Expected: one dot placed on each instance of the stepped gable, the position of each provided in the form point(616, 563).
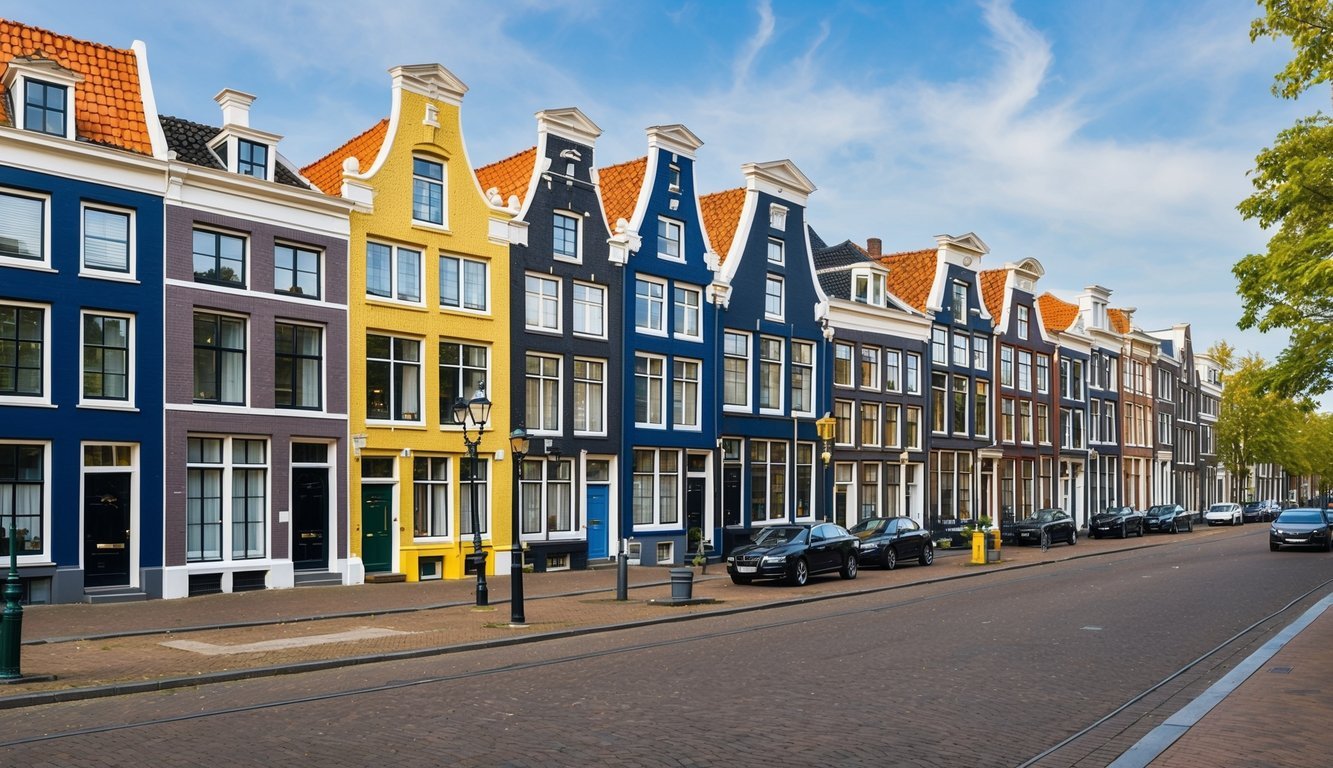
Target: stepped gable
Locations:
point(722, 214)
point(108, 104)
point(911, 276)
point(510, 176)
point(620, 189)
point(1056, 314)
point(992, 292)
point(326, 173)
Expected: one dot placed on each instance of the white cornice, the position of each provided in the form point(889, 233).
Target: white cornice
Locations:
point(430, 80)
point(855, 316)
point(568, 123)
point(674, 138)
point(237, 195)
point(779, 178)
point(81, 161)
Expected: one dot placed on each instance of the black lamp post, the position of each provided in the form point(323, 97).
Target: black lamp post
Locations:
point(474, 413)
point(518, 446)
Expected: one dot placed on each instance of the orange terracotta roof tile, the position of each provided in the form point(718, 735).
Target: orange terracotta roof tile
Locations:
point(326, 173)
point(108, 105)
point(911, 276)
point(992, 292)
point(620, 189)
point(510, 176)
point(722, 214)
point(1119, 320)
point(1056, 314)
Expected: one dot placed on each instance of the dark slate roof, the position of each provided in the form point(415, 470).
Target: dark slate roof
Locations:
point(817, 243)
point(833, 265)
point(190, 142)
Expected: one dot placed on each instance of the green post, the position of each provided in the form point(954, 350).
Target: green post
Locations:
point(11, 622)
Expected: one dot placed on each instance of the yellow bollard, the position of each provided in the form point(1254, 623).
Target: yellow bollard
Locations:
point(995, 550)
point(978, 548)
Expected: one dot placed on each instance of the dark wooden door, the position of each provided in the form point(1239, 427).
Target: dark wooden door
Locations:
point(106, 529)
point(310, 517)
point(376, 527)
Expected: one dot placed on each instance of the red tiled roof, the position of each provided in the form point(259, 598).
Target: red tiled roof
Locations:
point(108, 104)
point(911, 275)
point(620, 189)
point(1119, 320)
point(326, 173)
point(510, 175)
point(722, 214)
point(1056, 314)
point(992, 292)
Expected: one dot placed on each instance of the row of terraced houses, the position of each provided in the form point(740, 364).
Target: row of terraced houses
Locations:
point(222, 371)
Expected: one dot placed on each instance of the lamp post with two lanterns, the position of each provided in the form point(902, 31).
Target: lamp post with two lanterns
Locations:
point(473, 415)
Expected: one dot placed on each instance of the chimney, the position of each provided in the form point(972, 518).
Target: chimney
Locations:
point(875, 246)
point(235, 107)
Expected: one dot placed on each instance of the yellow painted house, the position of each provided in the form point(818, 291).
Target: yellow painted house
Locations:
point(428, 315)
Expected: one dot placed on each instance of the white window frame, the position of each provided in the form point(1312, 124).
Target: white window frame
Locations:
point(460, 266)
point(764, 364)
point(544, 381)
point(544, 300)
point(980, 353)
point(430, 484)
point(851, 364)
point(869, 364)
point(394, 362)
point(121, 403)
point(43, 261)
point(781, 297)
point(686, 415)
point(896, 383)
point(686, 311)
point(869, 416)
point(588, 384)
point(660, 301)
point(728, 355)
point(660, 518)
point(19, 89)
point(45, 397)
point(958, 308)
point(672, 226)
point(1022, 321)
point(442, 183)
point(131, 244)
point(809, 369)
point(656, 417)
point(583, 312)
point(577, 258)
point(44, 554)
point(228, 467)
point(776, 246)
point(394, 286)
point(545, 486)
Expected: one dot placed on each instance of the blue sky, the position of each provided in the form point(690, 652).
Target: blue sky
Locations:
point(1110, 141)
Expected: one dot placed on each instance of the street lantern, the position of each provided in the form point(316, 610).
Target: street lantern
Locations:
point(518, 446)
point(473, 416)
point(827, 427)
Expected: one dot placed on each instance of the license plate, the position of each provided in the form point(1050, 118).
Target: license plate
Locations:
point(1295, 541)
point(746, 569)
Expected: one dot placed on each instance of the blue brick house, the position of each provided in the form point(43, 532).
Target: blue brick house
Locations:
point(773, 315)
point(80, 318)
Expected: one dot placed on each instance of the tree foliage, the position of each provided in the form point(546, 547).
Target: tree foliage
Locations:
point(1255, 426)
point(1290, 286)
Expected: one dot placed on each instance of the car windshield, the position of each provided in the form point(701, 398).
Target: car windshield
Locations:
point(871, 527)
point(1221, 508)
point(782, 534)
point(1044, 515)
point(1161, 509)
point(1301, 516)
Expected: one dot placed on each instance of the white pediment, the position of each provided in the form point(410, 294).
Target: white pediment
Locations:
point(569, 123)
point(967, 242)
point(674, 138)
point(430, 80)
point(780, 178)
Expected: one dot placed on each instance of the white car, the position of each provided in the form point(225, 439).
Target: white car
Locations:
point(1224, 513)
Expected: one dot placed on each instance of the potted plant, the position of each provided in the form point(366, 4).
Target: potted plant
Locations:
point(696, 540)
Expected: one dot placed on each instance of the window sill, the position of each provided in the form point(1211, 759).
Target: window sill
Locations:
point(431, 226)
point(113, 277)
point(412, 425)
point(108, 407)
point(34, 265)
point(24, 403)
point(395, 303)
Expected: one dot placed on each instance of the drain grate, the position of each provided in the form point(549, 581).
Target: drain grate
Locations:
point(1280, 670)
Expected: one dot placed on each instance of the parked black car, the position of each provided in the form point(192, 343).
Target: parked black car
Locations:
point(794, 553)
point(1117, 521)
point(1260, 511)
point(1168, 517)
point(1306, 527)
point(888, 541)
point(1045, 527)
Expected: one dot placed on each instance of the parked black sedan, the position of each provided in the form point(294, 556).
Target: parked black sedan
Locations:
point(1045, 527)
point(891, 540)
point(1305, 527)
point(795, 553)
point(1168, 517)
point(1117, 521)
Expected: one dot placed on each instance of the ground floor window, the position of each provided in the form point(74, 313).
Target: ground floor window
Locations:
point(22, 494)
point(805, 480)
point(546, 497)
point(474, 485)
point(226, 498)
point(656, 497)
point(951, 485)
point(430, 496)
point(768, 480)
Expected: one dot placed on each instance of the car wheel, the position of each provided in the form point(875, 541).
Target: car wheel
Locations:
point(1175, 527)
point(927, 555)
point(848, 568)
point(1123, 531)
point(1140, 529)
point(1328, 545)
point(1073, 537)
point(1189, 526)
point(1045, 540)
point(800, 573)
point(739, 578)
point(890, 558)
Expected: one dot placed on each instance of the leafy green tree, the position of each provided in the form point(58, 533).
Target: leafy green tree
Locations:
point(1290, 287)
point(1253, 426)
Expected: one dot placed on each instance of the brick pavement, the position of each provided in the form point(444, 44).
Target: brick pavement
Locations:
point(99, 650)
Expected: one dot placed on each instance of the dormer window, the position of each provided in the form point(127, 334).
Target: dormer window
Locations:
point(959, 307)
point(252, 159)
point(868, 288)
point(45, 107)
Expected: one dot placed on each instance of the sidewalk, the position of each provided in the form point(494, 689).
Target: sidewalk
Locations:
point(111, 649)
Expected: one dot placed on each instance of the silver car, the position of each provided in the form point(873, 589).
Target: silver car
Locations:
point(1227, 513)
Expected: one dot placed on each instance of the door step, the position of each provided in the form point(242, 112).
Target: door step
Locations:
point(113, 595)
point(317, 579)
point(384, 577)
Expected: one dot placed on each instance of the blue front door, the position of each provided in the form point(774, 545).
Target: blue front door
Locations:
point(598, 495)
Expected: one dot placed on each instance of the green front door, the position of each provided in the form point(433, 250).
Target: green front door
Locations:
point(377, 527)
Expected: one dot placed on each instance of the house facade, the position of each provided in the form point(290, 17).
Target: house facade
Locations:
point(879, 354)
point(1138, 366)
point(670, 318)
point(1072, 424)
point(772, 313)
point(80, 317)
point(428, 316)
point(256, 428)
point(566, 350)
point(1212, 476)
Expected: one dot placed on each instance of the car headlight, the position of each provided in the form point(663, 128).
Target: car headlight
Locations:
point(774, 559)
